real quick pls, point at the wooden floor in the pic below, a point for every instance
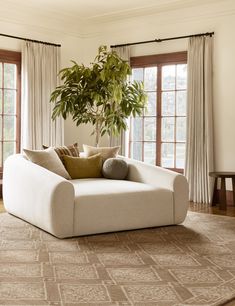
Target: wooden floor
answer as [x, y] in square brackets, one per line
[1, 206]
[197, 207]
[208, 209]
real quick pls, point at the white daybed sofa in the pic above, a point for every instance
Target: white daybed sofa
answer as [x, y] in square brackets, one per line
[151, 196]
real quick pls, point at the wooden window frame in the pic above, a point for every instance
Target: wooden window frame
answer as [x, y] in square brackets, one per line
[158, 60]
[12, 57]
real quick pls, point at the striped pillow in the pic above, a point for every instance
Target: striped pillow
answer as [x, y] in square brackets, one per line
[71, 150]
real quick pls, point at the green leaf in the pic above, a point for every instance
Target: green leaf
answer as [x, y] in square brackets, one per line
[99, 93]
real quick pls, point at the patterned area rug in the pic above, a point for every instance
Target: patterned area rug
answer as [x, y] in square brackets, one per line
[192, 264]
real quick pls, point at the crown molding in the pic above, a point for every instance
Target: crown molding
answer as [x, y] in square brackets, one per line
[181, 11]
[172, 18]
[148, 10]
[18, 27]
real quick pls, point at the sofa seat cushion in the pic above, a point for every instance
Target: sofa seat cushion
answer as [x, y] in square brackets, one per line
[102, 186]
[111, 205]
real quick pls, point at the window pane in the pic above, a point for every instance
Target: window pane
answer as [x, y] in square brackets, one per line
[150, 78]
[168, 103]
[10, 76]
[0, 74]
[138, 74]
[0, 154]
[168, 129]
[9, 101]
[180, 155]
[136, 150]
[149, 129]
[9, 128]
[181, 80]
[137, 126]
[181, 129]
[150, 153]
[181, 103]
[0, 127]
[168, 77]
[8, 149]
[167, 159]
[0, 101]
[151, 107]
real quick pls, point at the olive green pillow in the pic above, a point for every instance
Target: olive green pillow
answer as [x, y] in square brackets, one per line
[82, 167]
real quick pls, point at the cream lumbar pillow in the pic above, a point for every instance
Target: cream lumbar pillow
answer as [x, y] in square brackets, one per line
[83, 167]
[105, 152]
[47, 159]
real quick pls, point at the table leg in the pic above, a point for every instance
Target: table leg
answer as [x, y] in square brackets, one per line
[213, 203]
[233, 181]
[223, 205]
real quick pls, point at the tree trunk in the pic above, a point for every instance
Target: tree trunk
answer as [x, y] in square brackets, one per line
[97, 134]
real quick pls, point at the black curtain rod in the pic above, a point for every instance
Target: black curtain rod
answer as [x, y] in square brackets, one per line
[32, 40]
[162, 39]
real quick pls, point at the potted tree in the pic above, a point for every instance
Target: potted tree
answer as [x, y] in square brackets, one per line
[99, 94]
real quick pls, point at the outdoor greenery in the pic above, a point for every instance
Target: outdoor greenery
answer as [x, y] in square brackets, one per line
[99, 94]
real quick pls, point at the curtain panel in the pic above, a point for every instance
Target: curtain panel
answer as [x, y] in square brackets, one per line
[199, 146]
[40, 68]
[124, 53]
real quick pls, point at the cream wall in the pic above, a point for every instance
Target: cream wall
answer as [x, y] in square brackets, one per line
[177, 23]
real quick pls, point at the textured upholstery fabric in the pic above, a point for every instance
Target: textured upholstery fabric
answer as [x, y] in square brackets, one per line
[70, 150]
[115, 168]
[82, 167]
[162, 178]
[151, 196]
[47, 159]
[106, 152]
[112, 205]
[38, 196]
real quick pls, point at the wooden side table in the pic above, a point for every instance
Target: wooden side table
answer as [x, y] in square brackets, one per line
[223, 176]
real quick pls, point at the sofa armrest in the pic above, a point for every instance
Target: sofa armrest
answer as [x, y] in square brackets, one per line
[38, 196]
[162, 178]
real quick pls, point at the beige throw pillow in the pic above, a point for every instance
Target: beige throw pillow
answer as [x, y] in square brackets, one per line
[105, 152]
[47, 159]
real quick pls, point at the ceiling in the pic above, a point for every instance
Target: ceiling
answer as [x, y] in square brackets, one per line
[84, 10]
[76, 16]
[89, 9]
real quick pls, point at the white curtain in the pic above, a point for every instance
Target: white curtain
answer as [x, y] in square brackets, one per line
[199, 147]
[124, 53]
[40, 67]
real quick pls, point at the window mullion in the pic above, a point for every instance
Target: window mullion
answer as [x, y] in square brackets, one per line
[159, 117]
[142, 138]
[18, 108]
[175, 118]
[2, 113]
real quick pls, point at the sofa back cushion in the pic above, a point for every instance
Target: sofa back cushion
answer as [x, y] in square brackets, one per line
[83, 167]
[105, 152]
[47, 159]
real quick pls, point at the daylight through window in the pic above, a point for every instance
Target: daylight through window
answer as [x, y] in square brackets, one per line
[9, 104]
[158, 137]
